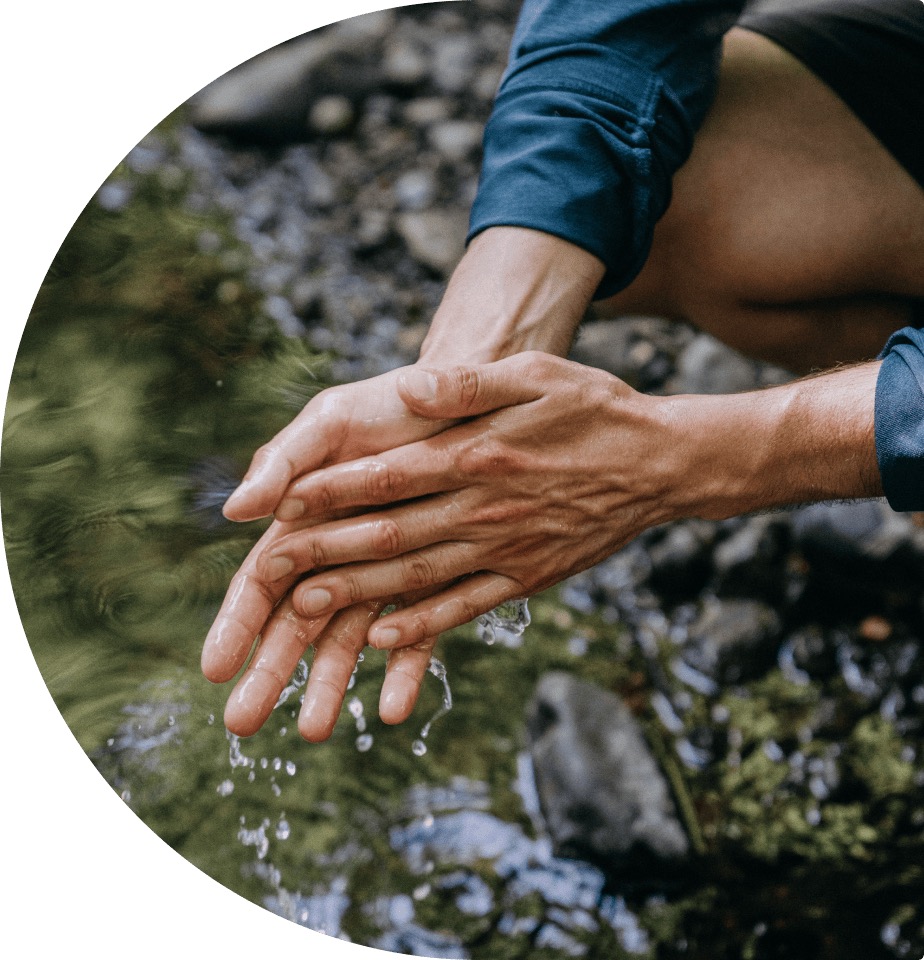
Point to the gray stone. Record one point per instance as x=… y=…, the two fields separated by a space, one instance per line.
x=414 y=190
x=456 y=140
x=733 y=640
x=331 y=115
x=707 y=366
x=642 y=351
x=435 y=238
x=423 y=111
x=750 y=559
x=266 y=98
x=453 y=63
x=681 y=559
x=405 y=64
x=601 y=791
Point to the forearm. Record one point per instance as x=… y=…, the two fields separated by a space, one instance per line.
x=806 y=441
x=514 y=290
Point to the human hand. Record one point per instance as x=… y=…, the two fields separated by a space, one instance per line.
x=556 y=466
x=339 y=424
x=252 y=607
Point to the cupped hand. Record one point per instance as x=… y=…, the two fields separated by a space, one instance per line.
x=256 y=610
x=555 y=467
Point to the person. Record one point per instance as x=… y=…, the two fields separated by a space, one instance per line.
x=792 y=228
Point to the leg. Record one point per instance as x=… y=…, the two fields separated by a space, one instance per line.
x=793 y=234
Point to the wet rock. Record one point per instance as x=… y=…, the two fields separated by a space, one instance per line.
x=602 y=793
x=681 y=559
x=867 y=532
x=707 y=366
x=435 y=238
x=750 y=560
x=733 y=640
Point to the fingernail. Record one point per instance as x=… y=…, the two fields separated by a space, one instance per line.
x=422 y=385
x=277 y=567
x=315 y=600
x=290 y=509
x=386 y=637
x=237 y=494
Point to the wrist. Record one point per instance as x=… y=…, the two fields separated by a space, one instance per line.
x=808 y=441
x=514 y=290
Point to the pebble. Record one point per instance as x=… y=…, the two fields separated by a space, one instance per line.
x=331 y=116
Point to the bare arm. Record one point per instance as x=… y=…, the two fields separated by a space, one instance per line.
x=555 y=467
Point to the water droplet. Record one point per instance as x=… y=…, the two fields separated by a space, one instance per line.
x=110 y=741
x=283 y=830
x=211 y=719
x=277 y=763
x=290 y=768
x=126 y=795
x=364 y=742
x=422 y=891
x=355 y=706
x=277 y=790
x=264 y=763
x=283 y=731
x=225 y=788
x=505 y=623
x=419 y=748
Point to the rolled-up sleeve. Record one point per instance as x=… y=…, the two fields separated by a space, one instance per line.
x=595 y=113
x=900 y=419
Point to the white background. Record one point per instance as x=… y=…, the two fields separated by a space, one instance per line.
x=82 y=83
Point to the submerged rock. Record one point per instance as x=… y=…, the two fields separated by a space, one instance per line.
x=601 y=791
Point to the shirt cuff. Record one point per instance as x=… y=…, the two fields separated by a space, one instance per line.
x=565 y=156
x=899 y=419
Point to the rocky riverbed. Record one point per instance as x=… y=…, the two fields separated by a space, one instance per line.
x=711 y=745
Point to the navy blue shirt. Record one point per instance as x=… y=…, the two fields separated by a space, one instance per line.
x=596 y=111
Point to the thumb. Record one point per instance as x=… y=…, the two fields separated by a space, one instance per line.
x=457 y=392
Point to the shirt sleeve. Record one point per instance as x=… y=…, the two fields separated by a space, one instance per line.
x=899 y=419
x=595 y=112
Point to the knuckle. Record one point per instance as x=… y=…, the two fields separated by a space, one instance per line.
x=419 y=572
x=468 y=387
x=387 y=539
x=314 y=552
x=383 y=483
x=352 y=590
x=323 y=498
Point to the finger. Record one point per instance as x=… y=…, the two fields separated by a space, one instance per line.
x=343 y=586
x=443 y=611
x=404 y=676
x=247 y=605
x=371 y=536
x=301 y=446
x=408 y=472
x=336 y=652
x=470 y=391
x=283 y=641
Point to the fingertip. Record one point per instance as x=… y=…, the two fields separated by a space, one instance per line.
x=385 y=637
x=397 y=700
x=317 y=719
